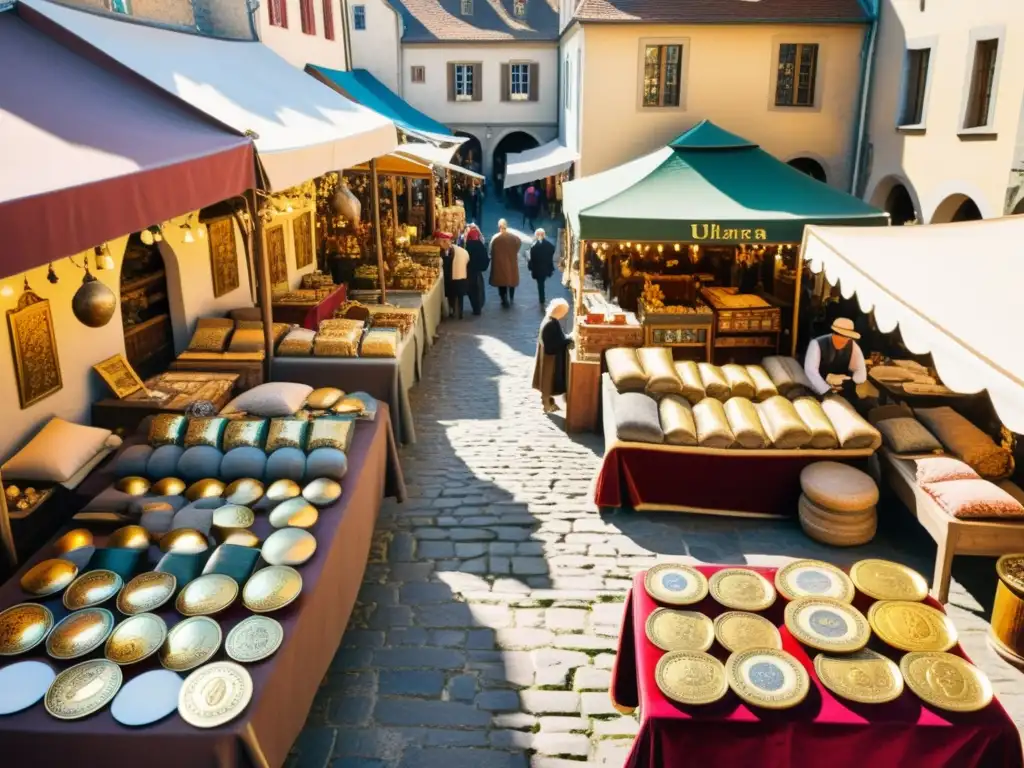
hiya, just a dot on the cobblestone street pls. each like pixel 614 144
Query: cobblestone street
pixel 487 621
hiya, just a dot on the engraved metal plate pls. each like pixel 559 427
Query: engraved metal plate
pixel 48 577
pixel 190 643
pixel 254 639
pixel 676 584
pixel 866 677
pixel 679 630
pixel 23 627
pixel 129 537
pixel 814 578
pixel 92 588
pixel 271 588
pixel 691 677
pixel 136 638
pixel 207 595
pixel 946 681
pixel 289 546
pixel 294 513
pixel 886 580
pixel 767 678
pixel 83 689
pixel 741 589
pixel 146 592
pixel 215 694
pixel 739 630
pixel 911 626
pixel 827 625
pixel 80 633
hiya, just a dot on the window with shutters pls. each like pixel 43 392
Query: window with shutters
pixel 983 76
pixel 418 74
pixel 915 87
pixel 278 10
pixel 519 8
pixel 797 75
pixel 467 7
pixel 464 84
pixel 359 17
pixel 519 82
pixel 662 75
pixel 307 16
pixel 328 19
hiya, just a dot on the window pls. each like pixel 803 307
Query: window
pixel 418 74
pixel 307 17
pixel 915 86
pixel 983 75
pixel 463 82
pixel 278 10
pixel 519 82
pixel 798 70
pixel 359 17
pixel 519 8
pixel 328 19
pixel 467 7
pixel 662 73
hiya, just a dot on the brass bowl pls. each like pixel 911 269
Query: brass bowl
pixel 48 577
pixel 282 490
pixel 169 486
pixel 322 491
pixel 233 516
pixel 92 588
pixel 206 595
pixel 129 537
pixel 186 541
pixel 240 537
pixel 133 486
pixel 271 588
pixel 80 633
pixel 23 627
pixel 83 689
pixel 72 540
pixel 146 592
pixel 204 489
pixel 294 513
pixel 246 492
pixel 190 643
pixel 289 546
pixel 136 638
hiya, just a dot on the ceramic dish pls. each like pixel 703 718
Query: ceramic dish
pixel 146 592
pixel 48 577
pixel 293 513
pixel 741 589
pixel 92 588
pixel 80 633
pixel 827 625
pixel 814 578
pixel 190 643
pixel 23 627
pixel 136 638
pixel 271 588
pixel 83 689
pixel 676 584
pixel 288 546
pixel 207 595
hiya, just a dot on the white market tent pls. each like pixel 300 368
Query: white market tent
pixel 538 163
pixel 440 157
pixel 953 290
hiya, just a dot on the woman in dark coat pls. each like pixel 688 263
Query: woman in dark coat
pixel 479 261
pixel 542 262
pixel 551 365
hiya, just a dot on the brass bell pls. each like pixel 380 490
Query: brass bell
pixel 94 303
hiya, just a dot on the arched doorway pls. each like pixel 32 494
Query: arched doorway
pixel 469 154
pixel 956 207
pixel 516 141
pixel 811 167
pixel 1019 208
pixel 899 206
pixel 145 308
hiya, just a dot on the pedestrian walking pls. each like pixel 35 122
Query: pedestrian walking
pixel 447 268
pixel 551 363
pixel 541 262
pixel 531 205
pixel 479 261
pixel 505 263
pixel 460 280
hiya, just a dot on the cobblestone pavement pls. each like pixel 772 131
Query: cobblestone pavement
pixel 487 621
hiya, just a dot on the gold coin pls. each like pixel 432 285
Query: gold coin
pixel 133 486
pixel 23 627
pixel 80 633
pixel 92 588
pixel 294 513
pixel 814 578
pixel 146 592
pixel 233 516
pixel 48 577
pixel 271 588
pixel 1010 569
pixel 206 595
pixel 349 405
pixel 215 694
pixel 240 537
pixel 767 678
pixel 827 625
pixel 680 630
pixel 83 689
pixel 186 541
pixel 282 490
pixel 254 639
pixel 246 492
pixel 136 638
pixel 322 491
pixel 946 681
pixel 886 580
pixel 866 677
pixel 288 546
pixel 204 489
pixel 676 584
pixel 741 589
pixel 72 540
pixel 169 486
pixel 739 630
pixel 190 643
pixel 912 626
pixel 691 677
pixel 131 536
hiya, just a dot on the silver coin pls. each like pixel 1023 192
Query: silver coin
pixel 147 698
pixel 23 684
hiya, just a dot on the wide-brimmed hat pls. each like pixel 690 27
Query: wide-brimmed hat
pixel 843 326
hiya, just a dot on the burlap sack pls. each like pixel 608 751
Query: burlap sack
pixel 625 370
pixel 713 430
pixel 693 386
pixel 714 381
pixel 785 428
pixel 745 423
pixel 852 430
pixel 739 381
pixel 823 436
pixel 662 378
pixel 677 422
pixel 764 387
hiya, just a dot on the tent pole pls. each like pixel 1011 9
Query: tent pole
pixel 375 204
pixel 583 275
pixel 394 203
pixel 6 535
pixel 264 285
pixel 408 200
pixel 796 299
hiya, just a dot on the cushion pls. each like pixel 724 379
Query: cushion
pixel 211 338
pixel 163 462
pixel 244 433
pixel 969 499
pixel 277 398
pixel 782 423
pixel 323 398
pixel 883 412
pixel 199 462
pixel 132 461
pixel 326 462
pixel 907 435
pixel 764 387
pixel 965 440
pixel 676 415
pixel 243 462
pixel 838 487
pixel 57 452
pixel 380 342
pixel 246 340
pixel 941 469
pixel 745 423
pixel 625 370
pixel 286 433
pixel 166 429
pixel 786 373
pixel 636 418
pixel 195 516
pixel 662 378
pixel 204 431
pixel 713 430
pixel 156 518
pixel 714 381
pixel 739 381
pixel 285 463
pixel 278 332
pixel 297 343
pixel 689 376
pixel 853 431
pixel 330 433
pixel 823 434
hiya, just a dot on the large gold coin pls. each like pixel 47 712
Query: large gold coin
pixel 23 627
pixel 282 490
pixel 288 546
pixel 146 592
pixel 186 541
pixel 83 689
pixel 72 540
pixel 946 681
pixel 246 492
pixel 133 486
pixel 293 513
pixel 215 694
pixel 92 588
pixel 208 488
pixel 322 491
pixel 912 626
pixel 866 677
pixel 739 630
pixel 676 584
pixel 48 577
pixel 169 486
pixel 190 643
pixel 691 677
pixel 814 578
pixel 680 630
pixel 206 595
pixel 886 580
pixel 741 589
pixel 80 633
pixel 131 536
pixel 254 639
pixel 768 678
pixel 136 638
pixel 827 625
pixel 271 588
pixel 233 516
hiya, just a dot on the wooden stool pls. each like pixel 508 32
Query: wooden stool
pixel 838 504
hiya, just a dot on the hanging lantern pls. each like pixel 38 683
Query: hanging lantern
pixel 94 303
pixel 347 204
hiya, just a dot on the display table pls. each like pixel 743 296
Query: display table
pixel 823 731
pixel 310 315
pixel 431 304
pixel 284 684
pixel 174 390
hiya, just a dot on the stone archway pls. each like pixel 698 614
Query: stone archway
pixel 147 304
pixel 956 207
pixel 899 206
pixel 513 141
pixel 470 153
pixel 811 167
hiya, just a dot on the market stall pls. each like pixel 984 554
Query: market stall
pixel 549 164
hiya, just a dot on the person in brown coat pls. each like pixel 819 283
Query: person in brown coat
pixel 505 263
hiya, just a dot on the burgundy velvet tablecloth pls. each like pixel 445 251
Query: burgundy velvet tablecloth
pixel 310 316
pixel 822 732
pixel 284 684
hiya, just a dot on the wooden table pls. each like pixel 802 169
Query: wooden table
pixel 179 389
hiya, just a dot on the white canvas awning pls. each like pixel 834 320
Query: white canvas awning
pixel 538 163
pixel 439 157
pixel 302 128
pixel 952 289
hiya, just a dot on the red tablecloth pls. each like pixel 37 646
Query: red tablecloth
pixel 823 731
pixel 309 316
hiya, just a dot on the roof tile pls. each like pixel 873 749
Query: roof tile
pixel 432 21
pixel 720 11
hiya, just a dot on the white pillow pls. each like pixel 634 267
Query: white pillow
pixel 278 398
pixel 57 453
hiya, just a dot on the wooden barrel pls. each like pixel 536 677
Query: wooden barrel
pixel 1007 633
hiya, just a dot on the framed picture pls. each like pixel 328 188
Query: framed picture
pixel 119 375
pixel 34 347
pixel 302 231
pixel 275 254
pixel 223 256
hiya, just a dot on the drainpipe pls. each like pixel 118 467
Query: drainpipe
pixel 867 68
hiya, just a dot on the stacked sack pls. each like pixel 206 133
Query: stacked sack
pixel 838 504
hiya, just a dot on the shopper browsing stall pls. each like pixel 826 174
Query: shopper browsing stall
pixel 550 372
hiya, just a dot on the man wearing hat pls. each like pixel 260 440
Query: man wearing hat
pixel 834 359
